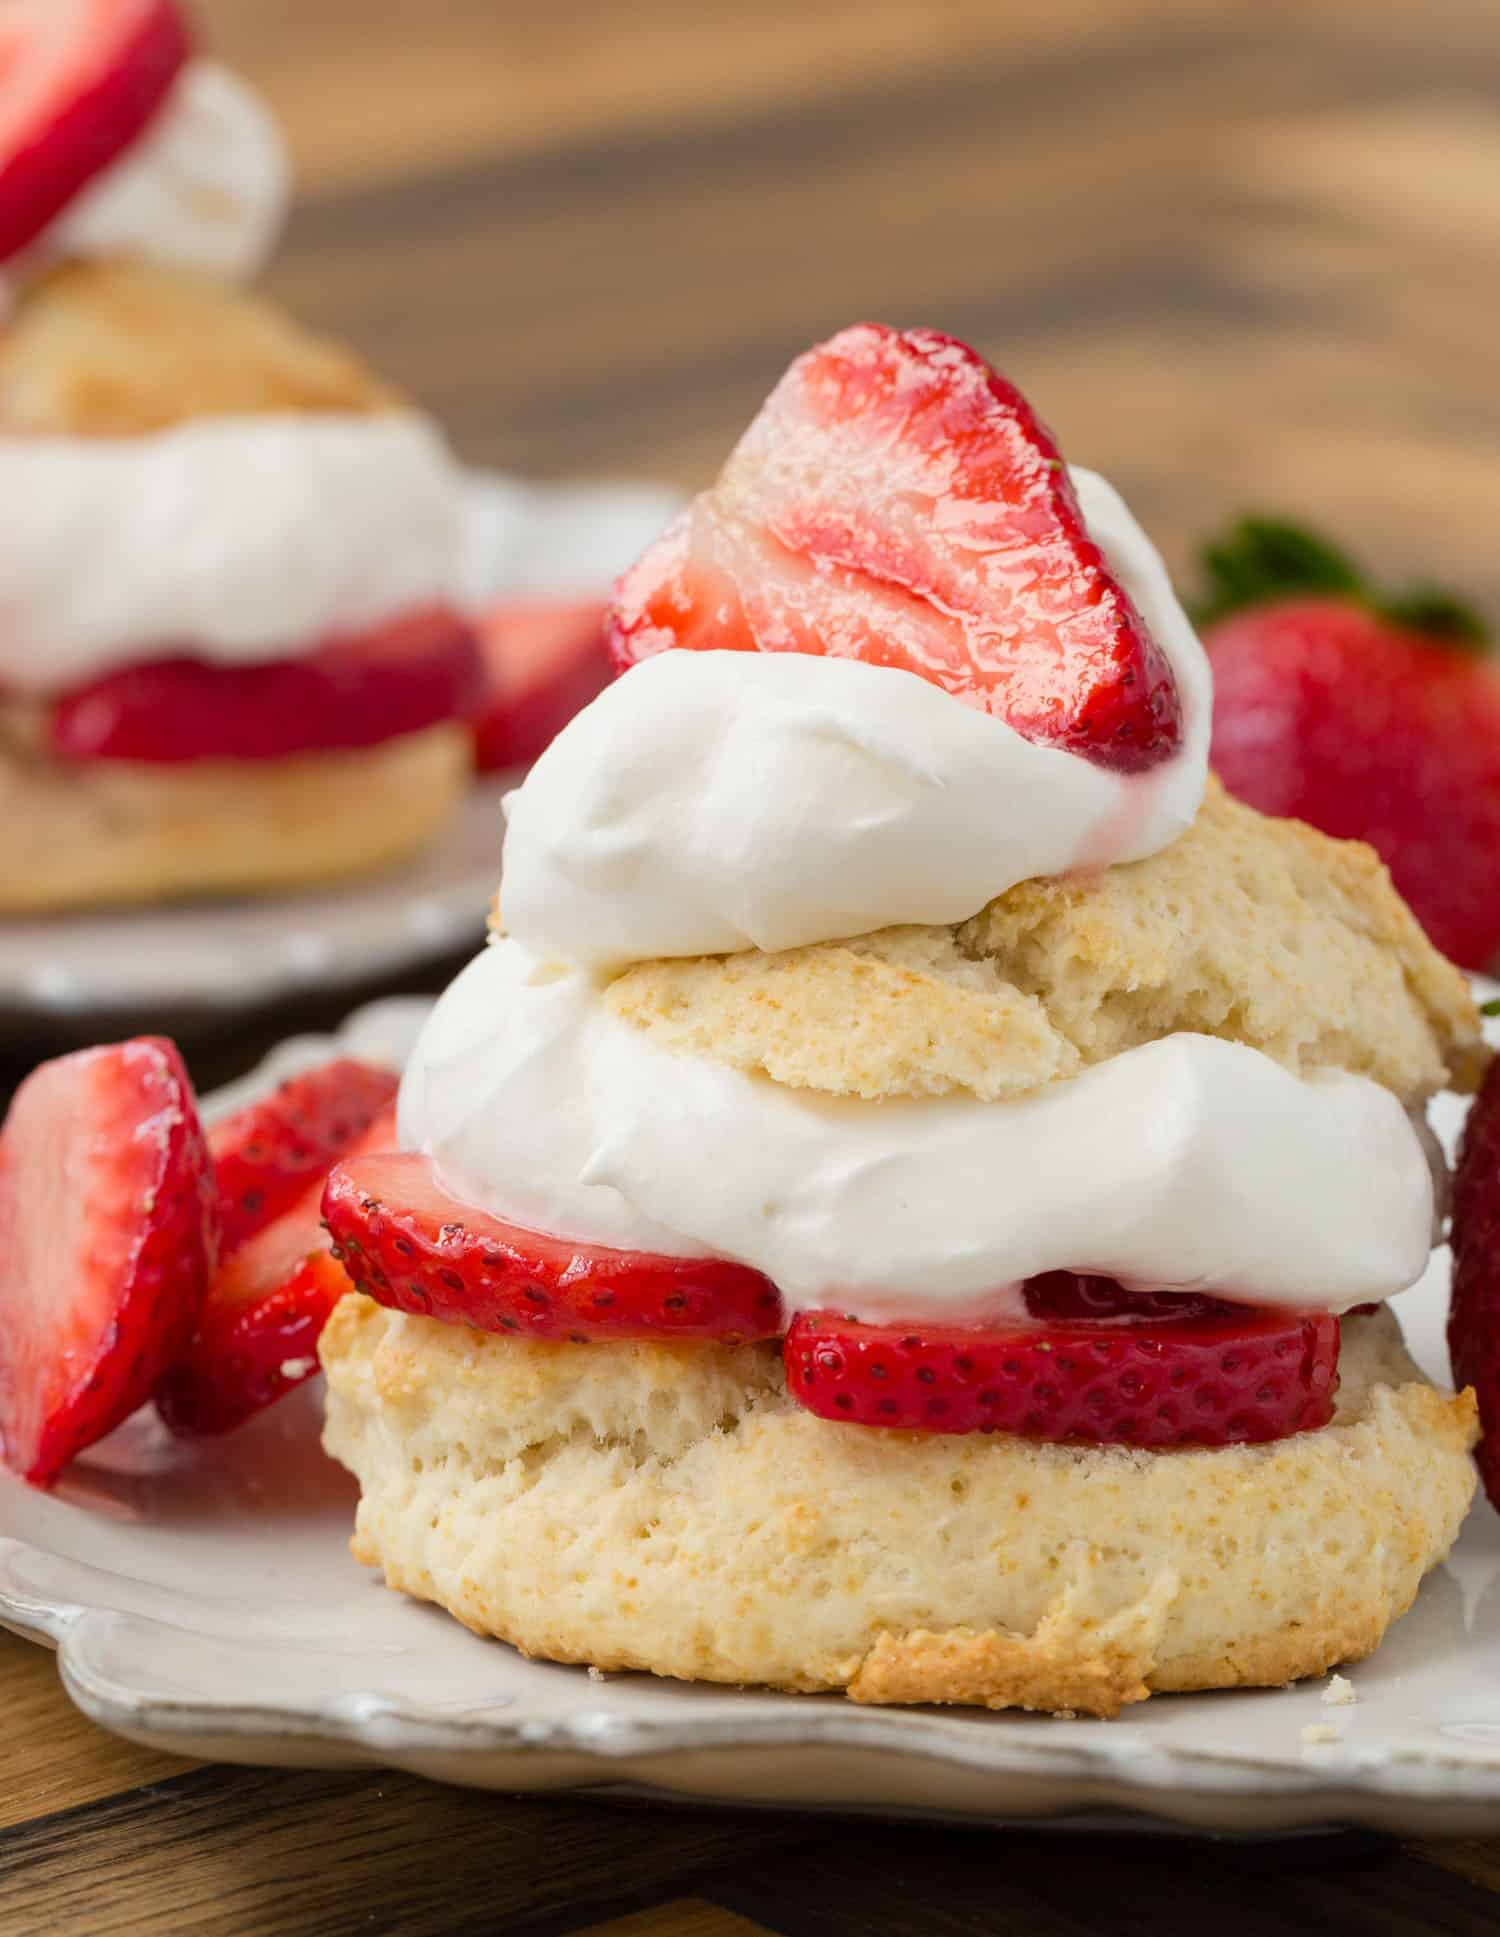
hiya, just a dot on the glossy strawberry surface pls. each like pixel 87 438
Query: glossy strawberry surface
pixel 269 1154
pixel 898 501
pixel 1474 1314
pixel 257 1331
pixel 108 1235
pixel 1332 714
pixel 1218 1377
pixel 406 1243
pixel 354 692
pixel 1370 713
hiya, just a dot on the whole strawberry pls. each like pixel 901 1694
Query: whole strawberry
pixel 1474 1314
pixel 1373 717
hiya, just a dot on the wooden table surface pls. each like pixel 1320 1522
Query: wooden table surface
pixel 1241 255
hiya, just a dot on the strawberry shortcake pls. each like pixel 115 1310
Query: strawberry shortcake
pixel 907 1199
pixel 229 654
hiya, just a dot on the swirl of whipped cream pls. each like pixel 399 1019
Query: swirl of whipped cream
pixel 237 539
pixel 715 801
pixel 1191 1163
pixel 206 187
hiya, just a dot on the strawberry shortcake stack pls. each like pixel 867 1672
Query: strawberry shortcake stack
pixel 907 1199
pixel 229 657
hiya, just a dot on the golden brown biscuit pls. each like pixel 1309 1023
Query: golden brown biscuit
pixel 114 832
pixel 1263 931
pixel 669 1508
pixel 117 349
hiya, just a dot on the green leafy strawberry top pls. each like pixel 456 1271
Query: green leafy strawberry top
pixel 1262 560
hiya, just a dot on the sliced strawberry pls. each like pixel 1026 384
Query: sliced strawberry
pixel 269 1154
pixel 1474 1315
pixel 353 692
pixel 108 1229
pixel 79 81
pixel 899 502
pixel 1222 1376
pixel 545 662
pixel 407 1244
pixel 257 1332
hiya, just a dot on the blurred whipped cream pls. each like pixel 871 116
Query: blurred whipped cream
pixel 715 801
pixel 237 539
pixel 1189 1164
pixel 206 187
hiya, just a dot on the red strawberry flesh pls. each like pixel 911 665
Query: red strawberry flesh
pixel 80 80
pixel 1213 1379
pixel 897 501
pixel 258 1328
pixel 544 662
pixel 108 1228
pixel 1474 1314
pixel 408 1244
pixel 354 692
pixel 269 1154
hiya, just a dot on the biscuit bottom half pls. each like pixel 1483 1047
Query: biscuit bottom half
pixel 113 832
pixel 669 1508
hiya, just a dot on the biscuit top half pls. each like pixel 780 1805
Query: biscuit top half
pixel 1256 930
pixel 120 349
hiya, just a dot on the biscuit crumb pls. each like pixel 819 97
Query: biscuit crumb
pixel 1253 930
pixel 298 1368
pixel 1321 1732
pixel 572 1454
pixel 1340 1692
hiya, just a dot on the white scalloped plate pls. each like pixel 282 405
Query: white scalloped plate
pixel 203 1600
pixel 523 541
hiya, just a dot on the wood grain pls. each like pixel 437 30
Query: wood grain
pixel 689 1917
pixel 1240 255
pixel 53 1758
pixel 1246 254
pixel 226 1852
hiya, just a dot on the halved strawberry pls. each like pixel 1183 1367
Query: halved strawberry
pixel 545 661
pixel 1223 1375
pixel 353 692
pixel 79 81
pixel 108 1230
pixel 258 1328
pixel 407 1244
pixel 1474 1314
pixel 272 1152
pixel 899 502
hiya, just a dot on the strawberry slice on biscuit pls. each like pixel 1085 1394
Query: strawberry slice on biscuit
pixel 408 1244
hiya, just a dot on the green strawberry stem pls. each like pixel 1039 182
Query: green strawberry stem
pixel 1262 560
pixel 1490 1008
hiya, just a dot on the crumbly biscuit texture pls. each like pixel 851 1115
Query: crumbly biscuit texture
pixel 1258 930
pixel 112 832
pixel 116 349
pixel 669 1508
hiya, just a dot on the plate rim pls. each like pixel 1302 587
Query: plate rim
pixel 1188 1785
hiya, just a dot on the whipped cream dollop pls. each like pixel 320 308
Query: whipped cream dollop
pixel 710 802
pixel 206 186
pixel 1191 1164
pixel 236 539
